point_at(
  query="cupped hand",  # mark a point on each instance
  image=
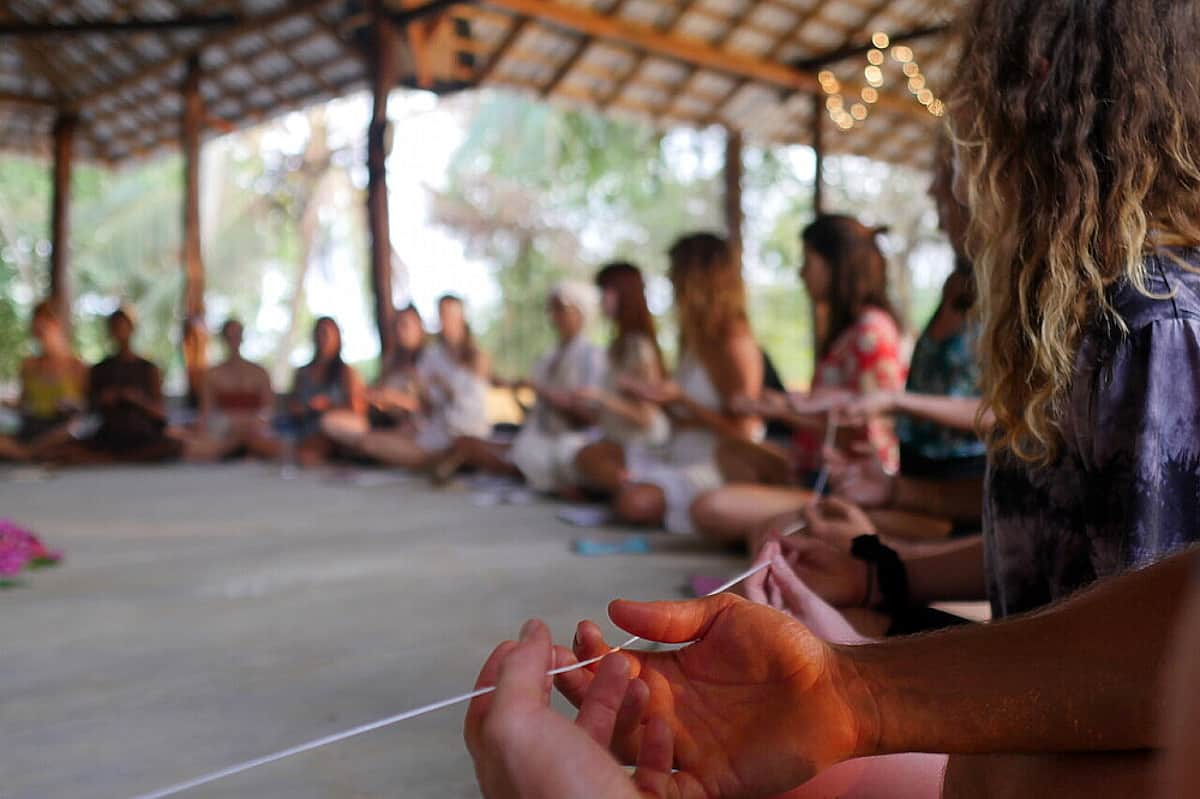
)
(859, 476)
(522, 749)
(830, 571)
(857, 409)
(836, 521)
(778, 587)
(757, 703)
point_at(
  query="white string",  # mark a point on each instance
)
(819, 486)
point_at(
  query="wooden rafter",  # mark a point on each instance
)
(123, 90)
(160, 69)
(801, 22)
(577, 55)
(734, 23)
(639, 60)
(862, 48)
(187, 22)
(514, 32)
(14, 98)
(39, 61)
(682, 49)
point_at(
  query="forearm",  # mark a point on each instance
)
(959, 413)
(634, 412)
(1063, 776)
(689, 411)
(1081, 676)
(953, 572)
(959, 500)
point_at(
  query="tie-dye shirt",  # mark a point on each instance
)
(1125, 489)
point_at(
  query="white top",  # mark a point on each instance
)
(577, 364)
(458, 394)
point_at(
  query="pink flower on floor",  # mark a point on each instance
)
(20, 550)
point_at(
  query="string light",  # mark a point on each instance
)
(858, 112)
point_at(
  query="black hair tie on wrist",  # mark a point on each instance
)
(889, 570)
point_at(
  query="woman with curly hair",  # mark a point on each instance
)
(1076, 127)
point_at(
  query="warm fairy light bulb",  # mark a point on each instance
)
(858, 111)
(875, 57)
(881, 40)
(869, 95)
(874, 75)
(902, 54)
(924, 97)
(829, 82)
(911, 70)
(916, 83)
(834, 102)
(937, 108)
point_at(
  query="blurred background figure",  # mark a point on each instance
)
(53, 390)
(324, 384)
(237, 404)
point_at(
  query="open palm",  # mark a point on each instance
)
(757, 704)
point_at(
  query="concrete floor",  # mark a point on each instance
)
(204, 616)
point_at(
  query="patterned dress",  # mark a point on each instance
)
(865, 358)
(1125, 488)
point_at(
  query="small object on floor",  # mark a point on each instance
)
(703, 585)
(586, 515)
(369, 478)
(629, 545)
(21, 550)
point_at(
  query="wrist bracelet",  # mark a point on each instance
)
(887, 567)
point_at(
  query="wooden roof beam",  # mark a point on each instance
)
(683, 49)
(15, 28)
(13, 98)
(502, 50)
(161, 69)
(849, 51)
(732, 25)
(580, 51)
(639, 61)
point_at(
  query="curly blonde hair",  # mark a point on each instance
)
(1077, 132)
(710, 300)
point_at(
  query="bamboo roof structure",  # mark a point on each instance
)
(766, 68)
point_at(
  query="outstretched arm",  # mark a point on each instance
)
(1082, 676)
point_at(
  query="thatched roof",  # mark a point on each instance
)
(754, 65)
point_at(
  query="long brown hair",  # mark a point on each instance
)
(1077, 127)
(858, 273)
(710, 301)
(633, 315)
(467, 353)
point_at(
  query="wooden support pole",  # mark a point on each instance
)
(191, 125)
(384, 68)
(818, 123)
(734, 214)
(60, 217)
